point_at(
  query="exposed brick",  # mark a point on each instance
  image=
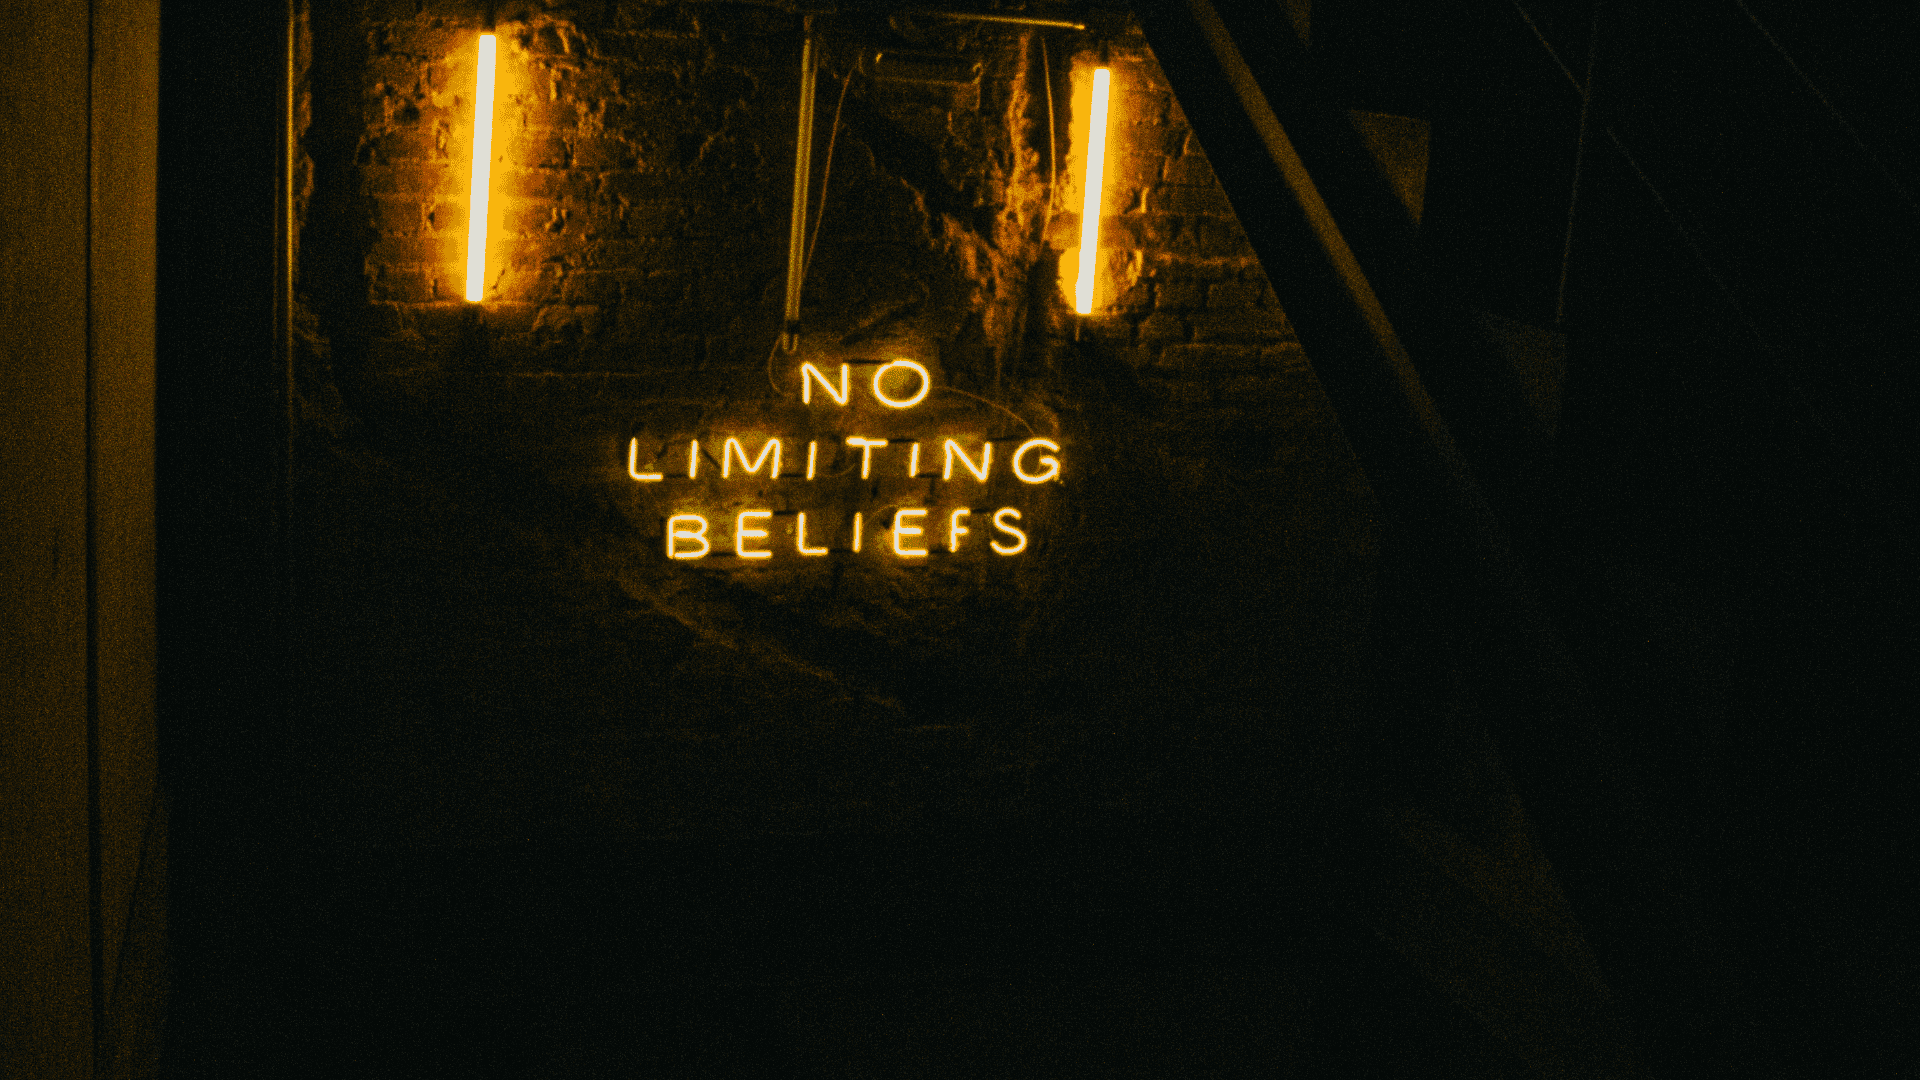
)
(642, 93)
(1245, 324)
(1288, 355)
(436, 322)
(388, 354)
(547, 283)
(537, 151)
(1180, 294)
(1132, 170)
(1209, 356)
(1162, 327)
(1189, 264)
(400, 146)
(1257, 387)
(539, 111)
(1234, 294)
(1219, 236)
(1157, 142)
(507, 318)
(641, 188)
(392, 74)
(1138, 230)
(375, 11)
(666, 286)
(557, 185)
(528, 252)
(402, 286)
(438, 178)
(1132, 108)
(1113, 335)
(643, 325)
(1192, 169)
(1137, 296)
(598, 287)
(534, 219)
(561, 322)
(399, 215)
(416, 250)
(601, 154)
(432, 39)
(1141, 73)
(546, 41)
(1185, 199)
(638, 253)
(1179, 390)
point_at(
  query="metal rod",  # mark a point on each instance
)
(1832, 110)
(1579, 160)
(1009, 20)
(802, 168)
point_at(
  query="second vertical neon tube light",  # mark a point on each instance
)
(482, 172)
(1096, 178)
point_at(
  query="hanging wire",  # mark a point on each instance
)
(826, 170)
(1843, 446)
(1053, 141)
(1832, 110)
(990, 401)
(1673, 217)
(1579, 160)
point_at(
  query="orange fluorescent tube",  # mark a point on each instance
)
(1096, 176)
(482, 173)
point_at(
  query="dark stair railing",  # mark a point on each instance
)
(1480, 917)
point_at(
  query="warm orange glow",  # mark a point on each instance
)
(952, 450)
(813, 455)
(1095, 179)
(810, 375)
(633, 463)
(866, 454)
(926, 384)
(800, 538)
(902, 530)
(859, 521)
(733, 449)
(677, 531)
(955, 530)
(742, 534)
(913, 461)
(693, 459)
(1019, 544)
(482, 172)
(1052, 463)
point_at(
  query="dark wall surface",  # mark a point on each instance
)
(523, 797)
(491, 642)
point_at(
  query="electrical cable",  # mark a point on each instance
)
(1832, 110)
(1843, 447)
(1053, 141)
(826, 170)
(1579, 160)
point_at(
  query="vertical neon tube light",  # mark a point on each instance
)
(482, 172)
(1096, 177)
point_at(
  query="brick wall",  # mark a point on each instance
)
(484, 595)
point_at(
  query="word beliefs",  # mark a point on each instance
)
(687, 534)
(868, 488)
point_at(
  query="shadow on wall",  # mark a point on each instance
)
(485, 593)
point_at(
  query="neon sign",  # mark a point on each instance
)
(1094, 180)
(478, 187)
(760, 500)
